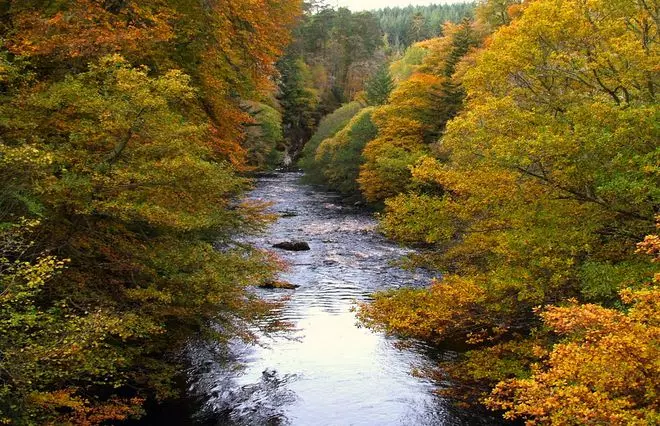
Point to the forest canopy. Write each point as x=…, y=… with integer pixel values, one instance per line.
x=336, y=52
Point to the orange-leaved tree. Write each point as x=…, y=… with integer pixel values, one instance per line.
x=604, y=369
x=416, y=112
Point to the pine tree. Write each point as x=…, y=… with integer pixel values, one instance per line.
x=299, y=102
x=380, y=86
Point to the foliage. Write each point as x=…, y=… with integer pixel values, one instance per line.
x=417, y=109
x=567, y=158
x=47, y=348
x=416, y=114
x=329, y=126
x=379, y=87
x=533, y=195
x=495, y=13
x=264, y=137
x=338, y=51
x=448, y=308
x=576, y=383
x=402, y=68
x=121, y=126
x=342, y=52
x=413, y=218
x=340, y=156
x=563, y=174
x=404, y=26
x=298, y=99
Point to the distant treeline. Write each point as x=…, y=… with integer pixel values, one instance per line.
x=404, y=26
x=335, y=52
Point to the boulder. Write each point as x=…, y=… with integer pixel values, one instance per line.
x=292, y=245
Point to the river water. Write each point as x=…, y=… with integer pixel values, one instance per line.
x=328, y=371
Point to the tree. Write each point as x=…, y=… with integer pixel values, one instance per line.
x=341, y=50
x=339, y=157
x=115, y=157
x=298, y=100
x=397, y=22
x=379, y=87
x=575, y=382
x=417, y=28
x=419, y=108
x=328, y=128
x=264, y=137
x=496, y=13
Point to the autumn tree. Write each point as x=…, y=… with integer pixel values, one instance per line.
x=264, y=139
x=496, y=13
x=339, y=158
x=328, y=128
x=341, y=49
x=576, y=382
x=418, y=109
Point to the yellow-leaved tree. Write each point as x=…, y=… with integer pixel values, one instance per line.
x=604, y=370
x=536, y=194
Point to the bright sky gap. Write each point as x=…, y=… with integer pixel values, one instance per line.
x=356, y=5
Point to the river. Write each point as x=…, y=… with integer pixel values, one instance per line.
x=328, y=371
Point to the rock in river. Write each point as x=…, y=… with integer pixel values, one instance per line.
x=288, y=213
x=279, y=284
x=292, y=245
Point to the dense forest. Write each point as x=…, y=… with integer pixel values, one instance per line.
x=512, y=143
x=405, y=26
x=335, y=52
